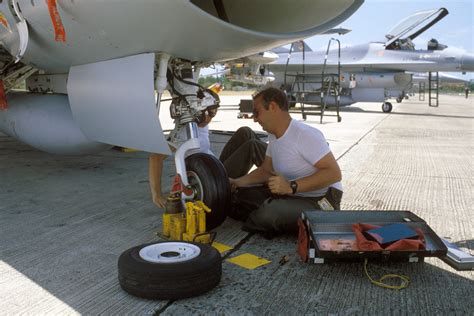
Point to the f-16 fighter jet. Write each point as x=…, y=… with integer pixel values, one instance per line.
x=372, y=72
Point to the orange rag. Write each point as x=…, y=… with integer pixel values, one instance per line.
x=364, y=244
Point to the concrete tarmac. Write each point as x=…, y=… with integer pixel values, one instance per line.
x=64, y=221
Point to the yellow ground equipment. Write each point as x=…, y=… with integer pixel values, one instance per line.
x=188, y=225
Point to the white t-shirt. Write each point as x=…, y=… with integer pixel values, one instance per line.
x=295, y=153
x=204, y=143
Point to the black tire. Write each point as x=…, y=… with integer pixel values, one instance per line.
x=387, y=107
x=207, y=171
x=169, y=281
x=399, y=99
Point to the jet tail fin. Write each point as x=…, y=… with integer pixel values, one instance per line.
x=339, y=31
x=299, y=45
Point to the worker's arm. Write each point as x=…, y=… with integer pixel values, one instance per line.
x=257, y=176
x=155, y=169
x=327, y=174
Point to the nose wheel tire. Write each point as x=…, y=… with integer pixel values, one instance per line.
x=387, y=107
x=169, y=270
x=210, y=183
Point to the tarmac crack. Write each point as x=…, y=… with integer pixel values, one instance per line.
x=362, y=137
x=164, y=308
x=238, y=246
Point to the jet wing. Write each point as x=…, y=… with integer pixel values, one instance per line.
x=443, y=78
x=413, y=25
x=339, y=31
x=374, y=56
x=419, y=64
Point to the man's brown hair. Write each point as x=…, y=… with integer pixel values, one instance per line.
x=273, y=94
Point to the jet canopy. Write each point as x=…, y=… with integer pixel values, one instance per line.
x=402, y=34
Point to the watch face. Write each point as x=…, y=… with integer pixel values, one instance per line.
x=294, y=186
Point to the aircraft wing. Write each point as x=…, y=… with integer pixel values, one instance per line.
x=374, y=56
x=443, y=78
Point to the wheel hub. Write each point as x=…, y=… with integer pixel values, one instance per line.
x=196, y=185
x=169, y=252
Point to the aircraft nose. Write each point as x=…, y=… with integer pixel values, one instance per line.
x=467, y=62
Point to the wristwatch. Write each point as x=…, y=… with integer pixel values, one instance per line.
x=294, y=186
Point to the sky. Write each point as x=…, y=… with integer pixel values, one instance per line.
x=376, y=17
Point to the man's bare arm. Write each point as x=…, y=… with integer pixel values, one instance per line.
x=327, y=174
x=155, y=169
x=257, y=176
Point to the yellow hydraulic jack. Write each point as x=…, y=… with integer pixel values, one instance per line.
x=189, y=225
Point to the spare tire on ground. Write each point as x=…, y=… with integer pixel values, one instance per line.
x=169, y=270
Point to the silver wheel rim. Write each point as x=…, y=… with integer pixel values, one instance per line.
x=169, y=252
x=196, y=185
x=385, y=107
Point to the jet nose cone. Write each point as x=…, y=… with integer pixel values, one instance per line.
x=467, y=62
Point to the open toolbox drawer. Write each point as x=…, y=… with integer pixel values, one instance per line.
x=324, y=226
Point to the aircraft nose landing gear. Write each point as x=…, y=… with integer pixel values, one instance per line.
x=178, y=269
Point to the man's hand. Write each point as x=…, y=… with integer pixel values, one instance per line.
x=234, y=184
x=279, y=185
x=159, y=200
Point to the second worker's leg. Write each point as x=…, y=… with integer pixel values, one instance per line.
x=242, y=135
x=240, y=162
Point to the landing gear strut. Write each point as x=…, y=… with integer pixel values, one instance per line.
x=202, y=173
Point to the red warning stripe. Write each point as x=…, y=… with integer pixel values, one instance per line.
x=4, y=21
x=3, y=97
x=59, y=32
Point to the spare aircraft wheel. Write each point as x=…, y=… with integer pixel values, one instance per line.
x=169, y=270
x=209, y=180
x=387, y=107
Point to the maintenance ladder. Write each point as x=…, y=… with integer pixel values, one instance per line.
x=304, y=86
x=433, y=89
x=421, y=91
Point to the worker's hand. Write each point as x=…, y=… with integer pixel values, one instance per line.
x=234, y=184
x=159, y=200
x=279, y=185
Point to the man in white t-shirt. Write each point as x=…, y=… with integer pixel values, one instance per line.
x=241, y=152
x=299, y=171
